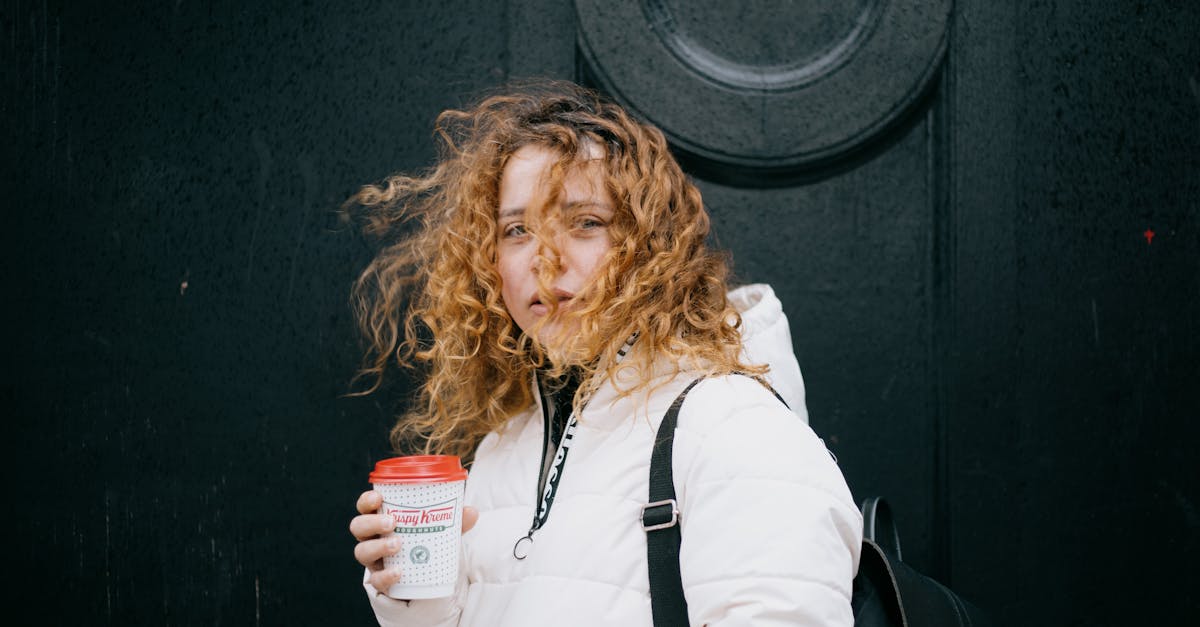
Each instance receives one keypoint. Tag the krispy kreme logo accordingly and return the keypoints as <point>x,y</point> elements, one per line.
<point>421,519</point>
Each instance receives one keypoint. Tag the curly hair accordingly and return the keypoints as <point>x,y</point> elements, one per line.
<point>432,295</point>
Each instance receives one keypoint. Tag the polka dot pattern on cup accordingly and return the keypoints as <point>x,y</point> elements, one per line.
<point>428,520</point>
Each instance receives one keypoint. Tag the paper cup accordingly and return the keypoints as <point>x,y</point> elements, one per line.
<point>423,495</point>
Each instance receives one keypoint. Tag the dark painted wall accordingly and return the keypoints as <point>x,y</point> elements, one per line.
<point>1076,358</point>
<point>980,319</point>
<point>1095,351</point>
<point>177,289</point>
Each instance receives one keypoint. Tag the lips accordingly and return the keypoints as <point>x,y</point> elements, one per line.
<point>540,309</point>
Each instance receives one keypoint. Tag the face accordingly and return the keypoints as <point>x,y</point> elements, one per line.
<point>581,238</point>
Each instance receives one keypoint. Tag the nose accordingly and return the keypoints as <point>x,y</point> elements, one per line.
<point>549,253</point>
<point>546,258</point>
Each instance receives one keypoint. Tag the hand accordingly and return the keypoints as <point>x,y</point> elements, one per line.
<point>375,539</point>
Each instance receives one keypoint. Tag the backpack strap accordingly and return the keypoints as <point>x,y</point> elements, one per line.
<point>660,519</point>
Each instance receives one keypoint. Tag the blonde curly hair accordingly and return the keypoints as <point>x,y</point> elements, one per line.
<point>432,295</point>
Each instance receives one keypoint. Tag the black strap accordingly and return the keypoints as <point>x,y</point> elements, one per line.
<point>879,526</point>
<point>660,519</point>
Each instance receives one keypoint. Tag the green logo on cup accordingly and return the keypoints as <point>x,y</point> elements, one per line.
<point>419,555</point>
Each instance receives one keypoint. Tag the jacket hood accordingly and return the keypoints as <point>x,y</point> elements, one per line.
<point>766,339</point>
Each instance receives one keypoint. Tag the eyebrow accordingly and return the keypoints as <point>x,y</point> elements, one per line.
<point>516,211</point>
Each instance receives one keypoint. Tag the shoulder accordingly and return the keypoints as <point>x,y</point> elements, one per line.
<point>715,401</point>
<point>732,428</point>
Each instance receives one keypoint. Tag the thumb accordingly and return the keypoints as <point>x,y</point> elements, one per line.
<point>469,516</point>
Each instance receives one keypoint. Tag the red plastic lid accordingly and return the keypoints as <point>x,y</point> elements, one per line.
<point>419,469</point>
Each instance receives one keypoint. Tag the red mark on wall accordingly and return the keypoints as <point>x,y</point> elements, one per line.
<point>1149,235</point>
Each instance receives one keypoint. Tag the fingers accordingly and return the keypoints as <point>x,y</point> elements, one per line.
<point>384,579</point>
<point>375,540</point>
<point>370,553</point>
<point>469,516</point>
<point>369,502</point>
<point>368,526</point>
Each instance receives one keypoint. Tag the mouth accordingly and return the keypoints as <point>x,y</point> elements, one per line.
<point>540,307</point>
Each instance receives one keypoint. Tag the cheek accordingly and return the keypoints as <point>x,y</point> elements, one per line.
<point>506,281</point>
<point>510,282</point>
<point>594,257</point>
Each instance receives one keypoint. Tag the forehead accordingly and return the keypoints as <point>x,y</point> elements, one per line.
<point>524,174</point>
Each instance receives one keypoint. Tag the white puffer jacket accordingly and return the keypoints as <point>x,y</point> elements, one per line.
<point>771,534</point>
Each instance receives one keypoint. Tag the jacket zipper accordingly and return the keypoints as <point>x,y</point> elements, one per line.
<point>541,483</point>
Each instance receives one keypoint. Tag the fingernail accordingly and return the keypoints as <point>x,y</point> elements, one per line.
<point>387,522</point>
<point>393,545</point>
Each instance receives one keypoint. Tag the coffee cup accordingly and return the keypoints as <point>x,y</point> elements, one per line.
<point>423,495</point>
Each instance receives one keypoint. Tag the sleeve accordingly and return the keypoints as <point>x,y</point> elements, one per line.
<point>443,612</point>
<point>771,534</point>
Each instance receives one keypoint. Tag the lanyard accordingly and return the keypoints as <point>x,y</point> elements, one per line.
<point>546,498</point>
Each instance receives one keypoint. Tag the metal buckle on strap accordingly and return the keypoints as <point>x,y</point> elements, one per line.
<point>670,523</point>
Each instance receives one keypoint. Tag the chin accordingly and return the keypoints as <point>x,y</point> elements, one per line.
<point>561,346</point>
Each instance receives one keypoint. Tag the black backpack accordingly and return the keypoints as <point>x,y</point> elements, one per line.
<point>887,592</point>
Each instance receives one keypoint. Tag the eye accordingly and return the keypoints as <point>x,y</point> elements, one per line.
<point>589,222</point>
<point>513,229</point>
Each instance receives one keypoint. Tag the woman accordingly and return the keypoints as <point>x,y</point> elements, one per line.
<point>561,297</point>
